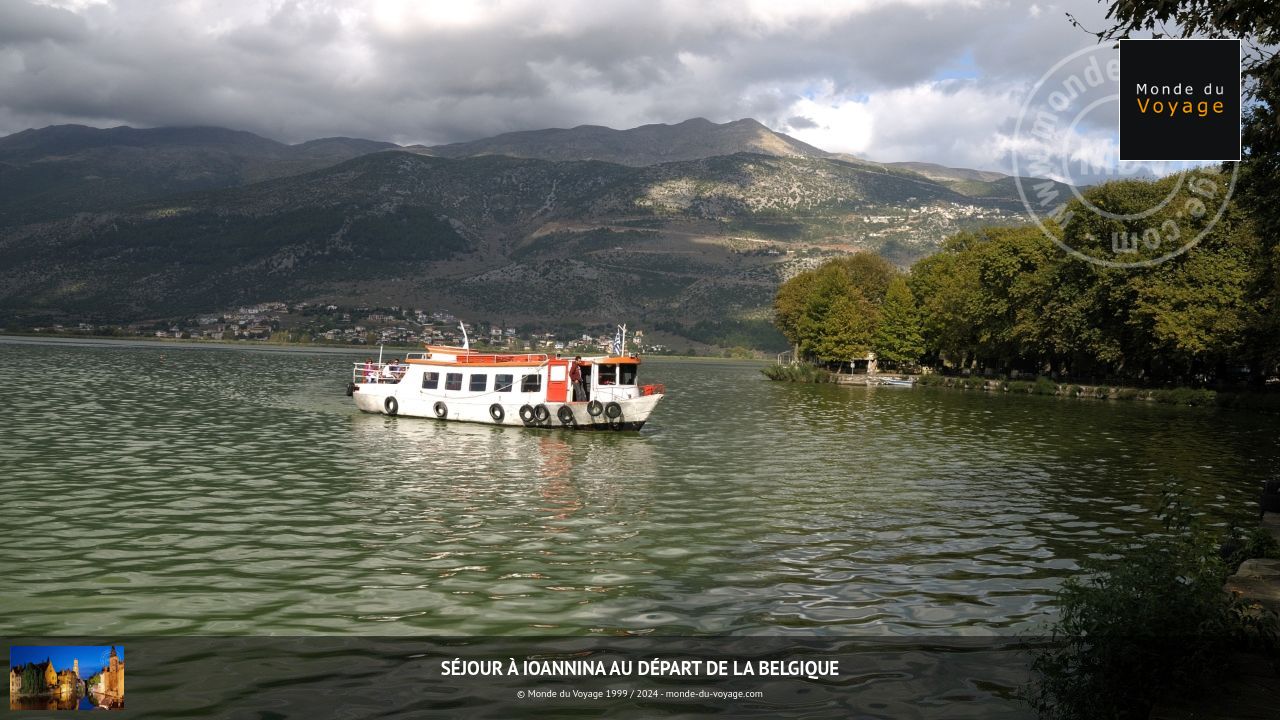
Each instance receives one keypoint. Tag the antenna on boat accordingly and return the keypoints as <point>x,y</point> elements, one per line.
<point>466,342</point>
<point>379,353</point>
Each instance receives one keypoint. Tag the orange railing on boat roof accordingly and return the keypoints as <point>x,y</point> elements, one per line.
<point>470,357</point>
<point>492,358</point>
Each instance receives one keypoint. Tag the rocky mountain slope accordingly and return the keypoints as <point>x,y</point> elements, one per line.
<point>64,169</point>
<point>645,145</point>
<point>680,227</point>
<point>584,241</point>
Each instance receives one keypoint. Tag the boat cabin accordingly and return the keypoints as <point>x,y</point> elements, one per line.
<point>451,383</point>
<point>530,377</point>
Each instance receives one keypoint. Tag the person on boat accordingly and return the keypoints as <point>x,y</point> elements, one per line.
<point>575,376</point>
<point>390,371</point>
<point>370,375</point>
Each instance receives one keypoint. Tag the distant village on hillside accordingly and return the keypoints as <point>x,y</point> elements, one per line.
<point>339,325</point>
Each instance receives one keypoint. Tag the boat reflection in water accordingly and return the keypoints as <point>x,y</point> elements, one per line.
<point>477,465</point>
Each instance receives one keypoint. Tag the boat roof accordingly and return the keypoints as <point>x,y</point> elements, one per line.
<point>445,354</point>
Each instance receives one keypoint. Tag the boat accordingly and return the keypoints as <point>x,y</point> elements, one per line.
<point>895,382</point>
<point>529,389</point>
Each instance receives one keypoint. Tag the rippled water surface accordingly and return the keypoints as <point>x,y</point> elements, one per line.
<point>159,489</point>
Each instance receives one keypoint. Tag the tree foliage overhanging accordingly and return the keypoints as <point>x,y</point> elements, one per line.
<point>1008,298</point>
<point>1257,24</point>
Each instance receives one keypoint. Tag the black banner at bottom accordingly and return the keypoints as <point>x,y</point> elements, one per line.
<point>391,677</point>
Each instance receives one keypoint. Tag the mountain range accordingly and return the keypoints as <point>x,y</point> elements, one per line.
<point>687,227</point>
<point>645,145</point>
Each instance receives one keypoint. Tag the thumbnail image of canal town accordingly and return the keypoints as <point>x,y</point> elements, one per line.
<point>66,677</point>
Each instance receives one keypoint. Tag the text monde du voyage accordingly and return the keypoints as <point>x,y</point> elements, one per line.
<point>1179,99</point>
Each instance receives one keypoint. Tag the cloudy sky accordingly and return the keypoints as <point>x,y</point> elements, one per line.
<point>928,80</point>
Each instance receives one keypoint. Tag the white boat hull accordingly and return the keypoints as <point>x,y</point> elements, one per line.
<point>407,401</point>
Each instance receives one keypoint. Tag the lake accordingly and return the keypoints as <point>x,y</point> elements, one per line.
<point>154,489</point>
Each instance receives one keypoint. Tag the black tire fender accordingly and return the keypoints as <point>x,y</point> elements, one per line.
<point>613,411</point>
<point>594,408</point>
<point>351,389</point>
<point>440,409</point>
<point>496,412</point>
<point>565,415</point>
<point>526,414</point>
<point>541,413</point>
<point>391,405</point>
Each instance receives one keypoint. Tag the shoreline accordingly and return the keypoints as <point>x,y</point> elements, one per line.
<point>1243,398</point>
<point>189,343</point>
<point>276,346</point>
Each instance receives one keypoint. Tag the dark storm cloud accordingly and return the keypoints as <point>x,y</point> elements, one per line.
<point>412,71</point>
<point>21,23</point>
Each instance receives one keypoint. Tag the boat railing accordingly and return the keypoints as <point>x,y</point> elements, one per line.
<point>463,356</point>
<point>372,372</point>
<point>497,358</point>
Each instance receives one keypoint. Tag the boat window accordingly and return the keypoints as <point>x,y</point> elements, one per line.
<point>531,383</point>
<point>608,375</point>
<point>453,381</point>
<point>627,374</point>
<point>430,381</point>
<point>479,383</point>
<point>502,383</point>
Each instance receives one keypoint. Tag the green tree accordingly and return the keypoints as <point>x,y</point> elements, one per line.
<point>1014,275</point>
<point>946,285</point>
<point>869,273</point>
<point>1195,313</point>
<point>1257,23</point>
<point>1182,318</point>
<point>830,313</point>
<point>1007,298</point>
<point>789,305</point>
<point>845,327</point>
<point>839,319</point>
<point>898,339</point>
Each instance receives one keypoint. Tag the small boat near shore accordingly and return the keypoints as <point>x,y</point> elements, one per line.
<point>530,390</point>
<point>894,382</point>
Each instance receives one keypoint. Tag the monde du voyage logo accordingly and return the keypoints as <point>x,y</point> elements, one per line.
<point>1166,111</point>
<point>1180,100</point>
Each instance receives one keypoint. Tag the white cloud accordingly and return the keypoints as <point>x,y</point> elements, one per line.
<point>837,125</point>
<point>952,121</point>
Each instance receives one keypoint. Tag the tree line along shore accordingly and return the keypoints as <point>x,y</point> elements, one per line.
<point>1003,303</point>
